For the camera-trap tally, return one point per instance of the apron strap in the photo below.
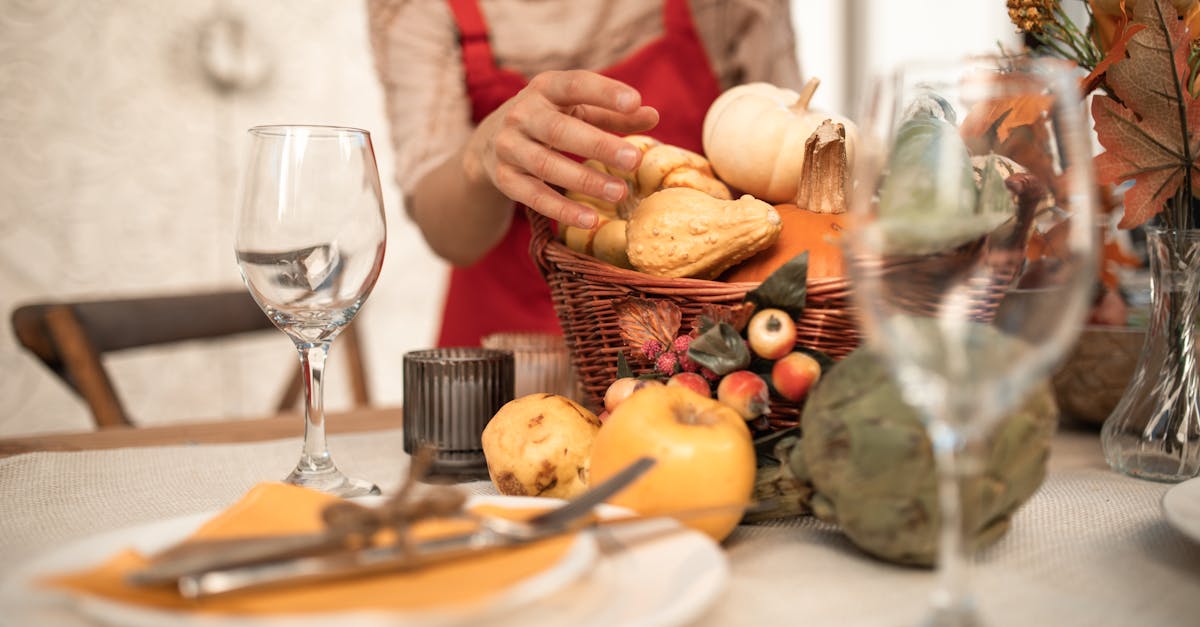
(473, 31)
(677, 17)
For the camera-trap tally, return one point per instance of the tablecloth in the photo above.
(1091, 548)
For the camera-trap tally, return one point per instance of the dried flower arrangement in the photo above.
(1142, 59)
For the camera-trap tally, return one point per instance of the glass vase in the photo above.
(1154, 432)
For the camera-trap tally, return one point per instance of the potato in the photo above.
(540, 445)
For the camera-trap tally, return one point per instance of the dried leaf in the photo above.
(1146, 135)
(642, 320)
(1002, 115)
(1052, 244)
(737, 316)
(1115, 53)
(1113, 257)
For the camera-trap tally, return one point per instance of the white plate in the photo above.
(652, 574)
(1181, 504)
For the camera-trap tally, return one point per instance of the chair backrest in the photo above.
(70, 338)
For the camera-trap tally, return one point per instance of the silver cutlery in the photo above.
(242, 563)
(389, 559)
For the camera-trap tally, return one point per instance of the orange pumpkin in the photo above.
(803, 230)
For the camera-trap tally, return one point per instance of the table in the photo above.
(1091, 548)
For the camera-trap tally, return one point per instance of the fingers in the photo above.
(576, 87)
(640, 121)
(583, 112)
(576, 112)
(535, 194)
(567, 133)
(550, 166)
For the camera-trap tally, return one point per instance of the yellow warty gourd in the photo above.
(683, 232)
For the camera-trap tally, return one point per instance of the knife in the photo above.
(190, 561)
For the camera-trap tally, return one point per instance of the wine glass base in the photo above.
(333, 482)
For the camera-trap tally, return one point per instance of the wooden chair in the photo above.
(71, 337)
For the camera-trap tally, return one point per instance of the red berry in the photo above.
(666, 363)
(651, 349)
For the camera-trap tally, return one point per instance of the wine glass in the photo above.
(972, 256)
(310, 242)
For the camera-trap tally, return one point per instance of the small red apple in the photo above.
(795, 374)
(771, 333)
(693, 381)
(620, 390)
(746, 393)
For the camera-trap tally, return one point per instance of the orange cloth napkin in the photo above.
(276, 508)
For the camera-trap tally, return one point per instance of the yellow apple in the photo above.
(704, 453)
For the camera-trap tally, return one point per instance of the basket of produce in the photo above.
(695, 239)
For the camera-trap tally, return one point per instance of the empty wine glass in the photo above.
(972, 255)
(310, 242)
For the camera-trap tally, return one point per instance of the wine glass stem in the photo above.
(316, 456)
(958, 461)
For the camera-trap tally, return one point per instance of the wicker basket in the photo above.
(584, 289)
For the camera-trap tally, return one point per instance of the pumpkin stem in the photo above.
(822, 186)
(806, 95)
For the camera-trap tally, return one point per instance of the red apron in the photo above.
(503, 291)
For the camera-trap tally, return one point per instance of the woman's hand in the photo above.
(518, 148)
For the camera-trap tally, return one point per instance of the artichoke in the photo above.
(865, 463)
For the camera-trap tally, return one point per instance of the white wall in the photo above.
(119, 175)
(847, 42)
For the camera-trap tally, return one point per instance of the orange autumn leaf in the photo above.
(1115, 53)
(1002, 114)
(1051, 244)
(1113, 257)
(1147, 139)
(1107, 19)
(1005, 114)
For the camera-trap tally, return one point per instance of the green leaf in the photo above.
(623, 369)
(786, 288)
(720, 349)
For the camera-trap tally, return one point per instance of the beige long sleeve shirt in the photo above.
(420, 67)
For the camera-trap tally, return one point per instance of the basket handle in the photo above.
(541, 232)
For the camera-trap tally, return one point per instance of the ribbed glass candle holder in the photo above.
(450, 394)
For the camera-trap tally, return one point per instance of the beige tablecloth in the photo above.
(1091, 548)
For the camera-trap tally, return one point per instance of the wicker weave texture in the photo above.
(584, 290)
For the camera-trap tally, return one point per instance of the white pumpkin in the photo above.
(754, 137)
